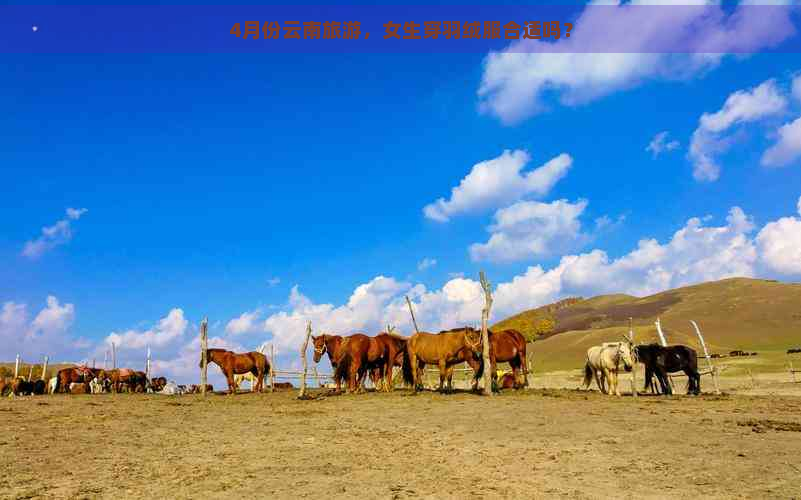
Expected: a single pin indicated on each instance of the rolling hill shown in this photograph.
(735, 313)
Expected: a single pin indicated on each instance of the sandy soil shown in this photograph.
(538, 443)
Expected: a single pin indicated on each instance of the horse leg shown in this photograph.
(229, 376)
(604, 380)
(443, 371)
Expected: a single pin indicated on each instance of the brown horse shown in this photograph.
(444, 349)
(389, 348)
(357, 354)
(158, 383)
(506, 346)
(75, 375)
(330, 345)
(234, 363)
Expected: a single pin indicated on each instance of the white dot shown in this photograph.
(35, 28)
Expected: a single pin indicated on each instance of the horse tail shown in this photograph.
(587, 374)
(408, 377)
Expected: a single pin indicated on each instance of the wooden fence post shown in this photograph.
(30, 373)
(44, 368)
(708, 359)
(411, 311)
(303, 349)
(634, 358)
(661, 334)
(792, 369)
(113, 356)
(148, 374)
(204, 353)
(16, 367)
(272, 367)
(485, 312)
(105, 360)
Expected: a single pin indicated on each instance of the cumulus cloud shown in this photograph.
(498, 182)
(46, 333)
(530, 229)
(638, 44)
(787, 148)
(165, 331)
(246, 322)
(660, 144)
(426, 263)
(743, 106)
(780, 245)
(53, 236)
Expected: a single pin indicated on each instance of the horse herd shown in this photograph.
(356, 356)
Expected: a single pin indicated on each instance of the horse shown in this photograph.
(233, 363)
(52, 385)
(328, 344)
(158, 383)
(21, 387)
(74, 375)
(444, 349)
(660, 361)
(356, 354)
(119, 378)
(603, 363)
(385, 353)
(506, 346)
(239, 378)
(39, 387)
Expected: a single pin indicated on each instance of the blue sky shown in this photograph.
(214, 184)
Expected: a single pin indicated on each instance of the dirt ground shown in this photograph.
(528, 444)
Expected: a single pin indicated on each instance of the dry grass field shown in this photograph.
(528, 444)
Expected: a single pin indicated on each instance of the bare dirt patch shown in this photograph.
(540, 443)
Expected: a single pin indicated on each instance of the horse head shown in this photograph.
(625, 354)
(472, 338)
(319, 347)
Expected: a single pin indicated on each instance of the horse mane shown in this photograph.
(454, 330)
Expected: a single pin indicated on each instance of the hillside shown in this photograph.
(736, 313)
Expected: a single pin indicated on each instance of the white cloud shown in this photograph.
(530, 229)
(742, 106)
(780, 245)
(246, 322)
(787, 148)
(54, 318)
(796, 88)
(53, 236)
(498, 182)
(426, 263)
(660, 144)
(46, 333)
(168, 329)
(274, 281)
(632, 46)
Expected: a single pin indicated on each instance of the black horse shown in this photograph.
(659, 361)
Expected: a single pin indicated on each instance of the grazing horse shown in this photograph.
(235, 363)
(74, 375)
(660, 361)
(506, 346)
(603, 362)
(444, 349)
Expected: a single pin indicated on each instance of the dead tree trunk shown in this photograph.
(485, 312)
(712, 368)
(204, 354)
(303, 349)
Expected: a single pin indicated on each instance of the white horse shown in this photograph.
(51, 385)
(241, 377)
(603, 363)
